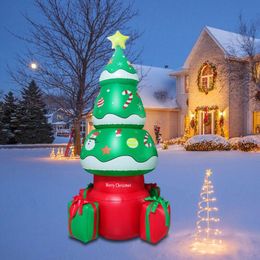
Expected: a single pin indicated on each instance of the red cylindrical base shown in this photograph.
(120, 200)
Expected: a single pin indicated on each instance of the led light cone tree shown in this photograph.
(207, 236)
(118, 151)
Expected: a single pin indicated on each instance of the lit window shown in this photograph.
(206, 77)
(257, 72)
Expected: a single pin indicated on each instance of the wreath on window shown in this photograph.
(210, 86)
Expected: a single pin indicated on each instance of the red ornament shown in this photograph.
(192, 123)
(206, 117)
(118, 132)
(221, 121)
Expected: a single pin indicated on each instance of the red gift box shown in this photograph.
(155, 219)
(153, 189)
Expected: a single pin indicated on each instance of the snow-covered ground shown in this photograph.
(61, 140)
(34, 193)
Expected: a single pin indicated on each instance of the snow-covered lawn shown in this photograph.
(34, 193)
(61, 140)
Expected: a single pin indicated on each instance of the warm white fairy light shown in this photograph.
(207, 236)
(52, 154)
(61, 156)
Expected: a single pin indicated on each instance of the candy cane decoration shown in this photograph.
(146, 141)
(94, 136)
(130, 97)
(100, 102)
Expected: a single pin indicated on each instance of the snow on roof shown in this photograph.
(59, 123)
(230, 41)
(156, 88)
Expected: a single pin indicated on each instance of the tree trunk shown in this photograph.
(77, 142)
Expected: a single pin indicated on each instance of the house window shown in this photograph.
(206, 77)
(59, 117)
(256, 129)
(257, 72)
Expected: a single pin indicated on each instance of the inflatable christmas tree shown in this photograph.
(118, 152)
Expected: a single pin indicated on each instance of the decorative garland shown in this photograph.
(204, 108)
(211, 84)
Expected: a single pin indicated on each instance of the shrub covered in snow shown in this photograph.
(207, 143)
(177, 140)
(164, 146)
(246, 143)
(234, 143)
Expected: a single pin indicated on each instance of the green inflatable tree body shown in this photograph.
(118, 146)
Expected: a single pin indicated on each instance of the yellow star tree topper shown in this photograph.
(118, 39)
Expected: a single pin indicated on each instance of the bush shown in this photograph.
(164, 146)
(249, 143)
(234, 143)
(207, 143)
(246, 143)
(177, 140)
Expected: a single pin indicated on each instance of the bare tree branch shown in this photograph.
(71, 48)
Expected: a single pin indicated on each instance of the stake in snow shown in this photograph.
(207, 236)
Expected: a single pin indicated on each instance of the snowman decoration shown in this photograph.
(91, 142)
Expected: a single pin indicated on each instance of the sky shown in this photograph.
(170, 28)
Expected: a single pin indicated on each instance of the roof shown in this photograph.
(156, 88)
(230, 41)
(59, 123)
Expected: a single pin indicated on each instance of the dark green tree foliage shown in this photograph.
(9, 120)
(33, 122)
(2, 137)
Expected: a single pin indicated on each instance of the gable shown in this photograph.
(205, 48)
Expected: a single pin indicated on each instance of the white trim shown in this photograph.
(110, 119)
(208, 76)
(121, 74)
(121, 163)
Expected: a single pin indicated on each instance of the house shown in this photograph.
(210, 94)
(158, 93)
(60, 119)
(213, 89)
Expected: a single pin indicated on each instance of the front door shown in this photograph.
(206, 122)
